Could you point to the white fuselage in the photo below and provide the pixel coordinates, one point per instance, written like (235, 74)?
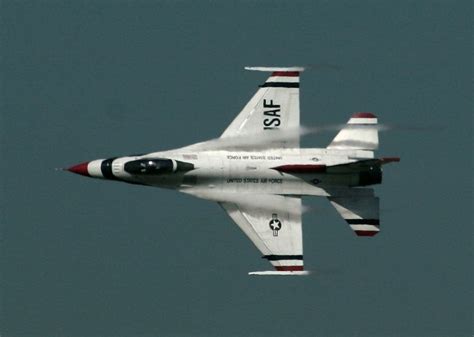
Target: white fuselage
(257, 171)
(238, 171)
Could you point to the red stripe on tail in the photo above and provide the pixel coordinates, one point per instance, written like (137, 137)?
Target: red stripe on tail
(366, 233)
(286, 73)
(363, 115)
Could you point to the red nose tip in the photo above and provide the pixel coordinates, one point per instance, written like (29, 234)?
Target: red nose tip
(80, 169)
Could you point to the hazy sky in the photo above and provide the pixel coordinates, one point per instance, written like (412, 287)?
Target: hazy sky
(91, 79)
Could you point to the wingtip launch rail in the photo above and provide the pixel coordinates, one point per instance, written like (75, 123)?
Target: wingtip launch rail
(276, 69)
(280, 273)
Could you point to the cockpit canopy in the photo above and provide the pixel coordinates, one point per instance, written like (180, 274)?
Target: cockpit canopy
(156, 166)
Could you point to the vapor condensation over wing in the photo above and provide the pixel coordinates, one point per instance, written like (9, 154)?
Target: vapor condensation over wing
(267, 202)
(249, 141)
(275, 138)
(267, 139)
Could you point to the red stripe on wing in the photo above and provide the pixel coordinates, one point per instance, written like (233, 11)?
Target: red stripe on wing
(289, 268)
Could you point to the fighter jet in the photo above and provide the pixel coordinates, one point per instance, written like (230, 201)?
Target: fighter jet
(258, 173)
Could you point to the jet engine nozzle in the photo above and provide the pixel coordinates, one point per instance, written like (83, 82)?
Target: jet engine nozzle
(371, 176)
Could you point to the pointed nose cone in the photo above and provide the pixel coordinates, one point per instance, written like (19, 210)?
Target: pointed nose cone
(80, 169)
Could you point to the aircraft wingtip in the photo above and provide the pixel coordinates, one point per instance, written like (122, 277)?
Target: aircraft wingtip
(276, 69)
(280, 273)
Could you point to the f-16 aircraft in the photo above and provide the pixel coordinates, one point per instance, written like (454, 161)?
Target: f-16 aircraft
(258, 173)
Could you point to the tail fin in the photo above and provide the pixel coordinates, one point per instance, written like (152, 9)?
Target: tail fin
(360, 133)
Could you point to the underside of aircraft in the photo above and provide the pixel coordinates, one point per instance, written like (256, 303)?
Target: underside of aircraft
(258, 173)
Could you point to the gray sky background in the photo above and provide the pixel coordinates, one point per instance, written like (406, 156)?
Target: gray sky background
(91, 79)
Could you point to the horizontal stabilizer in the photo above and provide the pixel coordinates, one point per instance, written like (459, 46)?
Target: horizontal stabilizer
(280, 273)
(360, 133)
(361, 211)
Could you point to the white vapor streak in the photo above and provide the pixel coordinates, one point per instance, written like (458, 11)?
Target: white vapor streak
(264, 202)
